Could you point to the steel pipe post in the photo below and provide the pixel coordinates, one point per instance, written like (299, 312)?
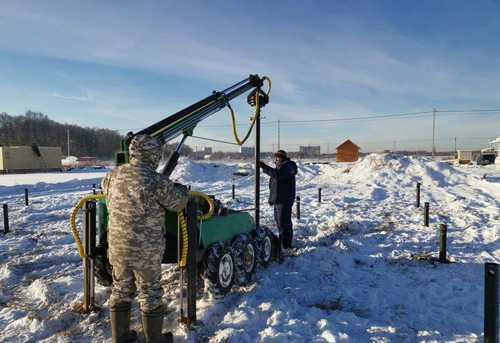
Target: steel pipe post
(418, 195)
(5, 218)
(233, 191)
(319, 195)
(88, 262)
(426, 214)
(491, 303)
(26, 200)
(257, 163)
(442, 243)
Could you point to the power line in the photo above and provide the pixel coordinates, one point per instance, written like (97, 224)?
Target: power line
(376, 116)
(214, 140)
(465, 111)
(385, 116)
(402, 140)
(402, 115)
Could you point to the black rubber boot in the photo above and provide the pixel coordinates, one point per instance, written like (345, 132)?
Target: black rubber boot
(120, 324)
(152, 323)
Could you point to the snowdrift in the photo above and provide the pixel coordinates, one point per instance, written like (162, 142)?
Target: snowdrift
(355, 276)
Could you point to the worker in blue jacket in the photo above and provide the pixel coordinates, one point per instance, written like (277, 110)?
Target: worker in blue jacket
(282, 194)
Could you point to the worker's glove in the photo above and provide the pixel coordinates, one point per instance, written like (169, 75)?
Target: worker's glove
(262, 164)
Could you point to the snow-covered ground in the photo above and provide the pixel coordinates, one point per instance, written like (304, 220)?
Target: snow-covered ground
(363, 269)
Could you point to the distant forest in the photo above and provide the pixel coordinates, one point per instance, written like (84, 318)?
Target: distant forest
(36, 127)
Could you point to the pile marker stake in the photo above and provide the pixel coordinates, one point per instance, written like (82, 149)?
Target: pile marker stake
(418, 195)
(297, 204)
(442, 245)
(5, 218)
(491, 303)
(426, 214)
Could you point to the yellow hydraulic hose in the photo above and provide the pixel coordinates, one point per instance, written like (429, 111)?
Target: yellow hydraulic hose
(74, 214)
(256, 115)
(180, 216)
(209, 200)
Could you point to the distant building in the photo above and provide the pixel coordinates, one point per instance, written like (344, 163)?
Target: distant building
(495, 145)
(347, 152)
(208, 150)
(247, 151)
(467, 156)
(24, 159)
(310, 151)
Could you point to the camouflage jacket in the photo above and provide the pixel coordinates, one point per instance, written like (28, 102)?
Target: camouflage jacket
(137, 197)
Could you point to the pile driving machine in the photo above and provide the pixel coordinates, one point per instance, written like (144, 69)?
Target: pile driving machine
(206, 239)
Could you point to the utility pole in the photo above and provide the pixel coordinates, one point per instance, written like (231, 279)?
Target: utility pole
(328, 148)
(455, 144)
(67, 136)
(279, 135)
(433, 132)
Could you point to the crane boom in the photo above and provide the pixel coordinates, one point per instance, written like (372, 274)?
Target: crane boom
(186, 119)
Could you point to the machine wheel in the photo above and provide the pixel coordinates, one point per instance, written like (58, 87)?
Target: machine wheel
(266, 247)
(245, 259)
(220, 269)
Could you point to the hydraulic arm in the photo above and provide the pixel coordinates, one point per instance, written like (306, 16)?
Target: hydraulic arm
(188, 244)
(184, 121)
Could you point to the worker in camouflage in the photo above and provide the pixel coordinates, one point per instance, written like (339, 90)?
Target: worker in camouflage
(137, 197)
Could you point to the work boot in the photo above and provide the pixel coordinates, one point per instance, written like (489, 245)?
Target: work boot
(152, 323)
(120, 324)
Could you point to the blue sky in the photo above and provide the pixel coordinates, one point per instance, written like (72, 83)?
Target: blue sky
(124, 65)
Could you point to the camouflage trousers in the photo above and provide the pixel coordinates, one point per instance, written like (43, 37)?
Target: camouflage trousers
(139, 275)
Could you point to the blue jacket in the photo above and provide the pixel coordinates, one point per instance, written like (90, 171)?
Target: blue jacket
(282, 182)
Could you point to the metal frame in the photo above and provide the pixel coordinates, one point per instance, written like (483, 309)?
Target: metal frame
(257, 167)
(189, 287)
(88, 260)
(183, 122)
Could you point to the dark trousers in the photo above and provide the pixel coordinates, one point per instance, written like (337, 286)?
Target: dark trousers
(283, 218)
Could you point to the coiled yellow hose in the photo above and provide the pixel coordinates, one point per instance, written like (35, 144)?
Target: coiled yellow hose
(185, 238)
(180, 216)
(256, 115)
(184, 228)
(209, 200)
(74, 214)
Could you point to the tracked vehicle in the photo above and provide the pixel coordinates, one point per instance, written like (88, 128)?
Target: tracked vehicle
(207, 240)
(229, 247)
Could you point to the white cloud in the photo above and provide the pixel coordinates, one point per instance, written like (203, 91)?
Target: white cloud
(347, 56)
(71, 97)
(316, 73)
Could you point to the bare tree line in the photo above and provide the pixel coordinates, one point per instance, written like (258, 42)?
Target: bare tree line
(37, 128)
